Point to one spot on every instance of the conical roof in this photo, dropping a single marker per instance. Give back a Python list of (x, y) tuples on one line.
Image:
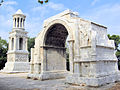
[(19, 12)]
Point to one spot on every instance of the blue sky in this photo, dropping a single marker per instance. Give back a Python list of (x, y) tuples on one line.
[(105, 12)]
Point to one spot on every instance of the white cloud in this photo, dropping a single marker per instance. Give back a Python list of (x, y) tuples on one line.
[(41, 12), (10, 3), (33, 26), (50, 5), (108, 15), (4, 34), (56, 6), (94, 2), (6, 12)]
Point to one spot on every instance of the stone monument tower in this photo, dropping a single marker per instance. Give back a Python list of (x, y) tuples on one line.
[(17, 55)]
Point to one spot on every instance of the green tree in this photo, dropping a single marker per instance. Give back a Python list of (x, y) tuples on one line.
[(116, 39), (31, 43), (3, 51), (39, 1), (43, 1), (1, 2)]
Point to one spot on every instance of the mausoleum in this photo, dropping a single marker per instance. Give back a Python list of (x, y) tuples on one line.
[(17, 55)]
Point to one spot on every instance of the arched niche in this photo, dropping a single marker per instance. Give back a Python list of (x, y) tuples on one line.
[(18, 22), (20, 43), (55, 39), (12, 43), (21, 22)]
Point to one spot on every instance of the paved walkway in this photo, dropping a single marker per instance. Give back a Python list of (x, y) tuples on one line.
[(19, 82)]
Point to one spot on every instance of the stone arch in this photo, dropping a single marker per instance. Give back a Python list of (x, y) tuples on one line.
[(68, 30), (86, 59), (43, 52), (54, 42), (56, 35), (57, 21)]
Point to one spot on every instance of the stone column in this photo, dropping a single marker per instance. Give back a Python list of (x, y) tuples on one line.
[(20, 22), (71, 54), (13, 22), (15, 43), (44, 60), (93, 45), (23, 22), (9, 43), (26, 48), (23, 45), (77, 49), (32, 61), (17, 22), (77, 69), (77, 42), (18, 43)]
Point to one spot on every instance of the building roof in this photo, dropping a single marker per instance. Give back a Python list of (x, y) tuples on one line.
[(19, 12)]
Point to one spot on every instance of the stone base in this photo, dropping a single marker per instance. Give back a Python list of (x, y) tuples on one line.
[(16, 67), (93, 81), (49, 75)]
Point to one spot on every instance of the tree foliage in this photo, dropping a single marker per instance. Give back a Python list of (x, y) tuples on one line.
[(1, 2), (41, 1), (31, 43), (116, 39), (3, 51)]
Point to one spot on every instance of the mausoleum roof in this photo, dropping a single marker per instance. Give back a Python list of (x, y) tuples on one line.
[(19, 12)]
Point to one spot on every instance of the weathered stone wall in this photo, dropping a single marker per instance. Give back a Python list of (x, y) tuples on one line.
[(56, 59), (10, 57), (104, 53)]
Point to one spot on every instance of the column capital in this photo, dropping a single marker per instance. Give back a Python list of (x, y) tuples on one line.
[(71, 40)]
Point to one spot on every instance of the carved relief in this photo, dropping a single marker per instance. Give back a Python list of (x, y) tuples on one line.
[(21, 58), (10, 58), (85, 39)]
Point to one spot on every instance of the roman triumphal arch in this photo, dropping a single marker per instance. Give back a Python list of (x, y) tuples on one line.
[(91, 54)]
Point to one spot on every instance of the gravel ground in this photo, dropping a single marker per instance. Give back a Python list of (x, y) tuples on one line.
[(19, 82)]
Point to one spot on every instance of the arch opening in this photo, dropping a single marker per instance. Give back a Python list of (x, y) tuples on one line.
[(21, 23), (12, 43), (18, 23), (20, 43), (15, 22), (55, 44), (56, 36)]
